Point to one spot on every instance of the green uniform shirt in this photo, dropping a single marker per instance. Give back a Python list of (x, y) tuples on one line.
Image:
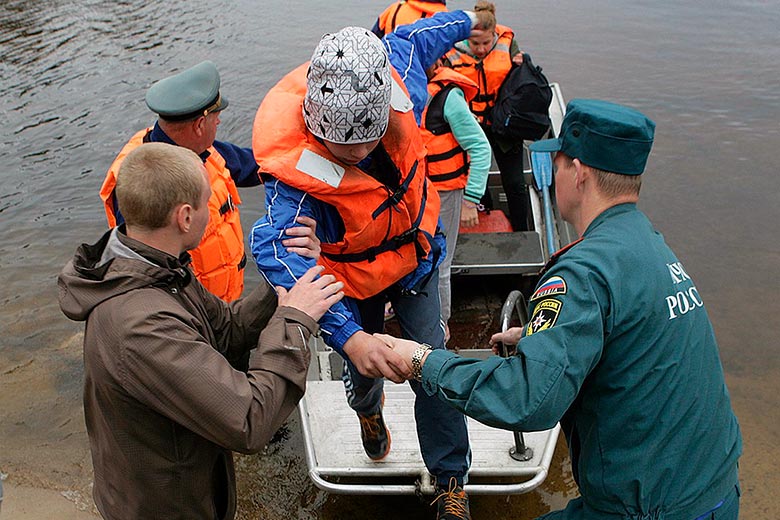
[(620, 349)]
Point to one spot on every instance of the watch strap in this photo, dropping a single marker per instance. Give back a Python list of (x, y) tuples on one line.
[(417, 358)]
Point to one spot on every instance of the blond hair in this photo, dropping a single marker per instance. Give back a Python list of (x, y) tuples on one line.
[(612, 184), (617, 184), (154, 179), (486, 15)]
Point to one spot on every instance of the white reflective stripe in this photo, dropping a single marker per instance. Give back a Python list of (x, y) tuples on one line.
[(438, 27), (320, 168), (399, 100)]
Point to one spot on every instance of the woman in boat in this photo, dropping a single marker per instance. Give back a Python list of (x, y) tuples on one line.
[(486, 58), (458, 162)]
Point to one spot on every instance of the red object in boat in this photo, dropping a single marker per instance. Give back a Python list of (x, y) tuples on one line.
[(493, 221)]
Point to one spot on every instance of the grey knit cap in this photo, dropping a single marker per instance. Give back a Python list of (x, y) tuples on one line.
[(348, 88)]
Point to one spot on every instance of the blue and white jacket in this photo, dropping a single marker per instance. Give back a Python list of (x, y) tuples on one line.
[(415, 47), (411, 49)]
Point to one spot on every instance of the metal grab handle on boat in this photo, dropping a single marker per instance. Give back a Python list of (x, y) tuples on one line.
[(515, 305)]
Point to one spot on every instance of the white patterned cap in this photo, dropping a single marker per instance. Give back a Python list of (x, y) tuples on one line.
[(348, 88)]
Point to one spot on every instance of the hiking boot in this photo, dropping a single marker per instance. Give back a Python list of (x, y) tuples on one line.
[(375, 435), (452, 503)]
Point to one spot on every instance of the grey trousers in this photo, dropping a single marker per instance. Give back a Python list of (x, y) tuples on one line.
[(450, 219)]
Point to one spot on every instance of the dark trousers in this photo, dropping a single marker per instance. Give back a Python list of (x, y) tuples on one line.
[(510, 164), (441, 429)]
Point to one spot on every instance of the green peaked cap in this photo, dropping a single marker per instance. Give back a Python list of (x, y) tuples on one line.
[(187, 94), (603, 135)]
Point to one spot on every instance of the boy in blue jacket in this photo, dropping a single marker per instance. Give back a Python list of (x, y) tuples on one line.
[(338, 141)]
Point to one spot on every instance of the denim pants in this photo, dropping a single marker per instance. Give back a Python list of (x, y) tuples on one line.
[(441, 429)]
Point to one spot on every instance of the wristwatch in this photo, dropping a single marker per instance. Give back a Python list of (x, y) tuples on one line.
[(417, 358)]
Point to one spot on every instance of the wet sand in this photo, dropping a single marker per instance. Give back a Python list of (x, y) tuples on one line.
[(45, 454), (30, 503)]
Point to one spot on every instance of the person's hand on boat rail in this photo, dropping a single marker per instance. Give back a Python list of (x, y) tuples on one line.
[(373, 358), (510, 338)]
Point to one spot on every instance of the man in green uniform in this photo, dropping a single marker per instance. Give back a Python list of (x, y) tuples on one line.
[(619, 347)]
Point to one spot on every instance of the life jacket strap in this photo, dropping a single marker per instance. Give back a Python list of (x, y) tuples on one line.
[(463, 170), (484, 98), (391, 244), (397, 194), (436, 157), (227, 206), (370, 254)]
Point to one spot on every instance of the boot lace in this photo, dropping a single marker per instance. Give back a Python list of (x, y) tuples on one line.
[(370, 425), (454, 500)]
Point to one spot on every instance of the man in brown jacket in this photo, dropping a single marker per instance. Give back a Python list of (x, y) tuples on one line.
[(163, 405)]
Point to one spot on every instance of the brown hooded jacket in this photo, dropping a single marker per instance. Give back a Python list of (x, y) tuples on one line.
[(163, 405)]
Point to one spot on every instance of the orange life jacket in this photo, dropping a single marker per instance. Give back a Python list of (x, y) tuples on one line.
[(488, 73), (448, 162), (387, 230), (219, 260), (406, 12)]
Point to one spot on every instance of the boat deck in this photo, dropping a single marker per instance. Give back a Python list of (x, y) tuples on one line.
[(507, 253), (493, 248), (338, 464)]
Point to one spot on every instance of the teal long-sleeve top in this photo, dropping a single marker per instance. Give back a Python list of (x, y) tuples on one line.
[(620, 350), (471, 138)]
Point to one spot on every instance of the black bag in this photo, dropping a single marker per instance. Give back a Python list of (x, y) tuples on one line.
[(521, 109)]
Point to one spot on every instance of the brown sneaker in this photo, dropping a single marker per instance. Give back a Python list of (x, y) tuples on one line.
[(452, 503), (375, 436)]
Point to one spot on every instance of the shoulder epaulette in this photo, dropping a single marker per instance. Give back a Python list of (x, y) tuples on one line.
[(559, 253)]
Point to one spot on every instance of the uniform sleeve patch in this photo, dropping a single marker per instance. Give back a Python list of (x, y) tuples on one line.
[(553, 286), (544, 317)]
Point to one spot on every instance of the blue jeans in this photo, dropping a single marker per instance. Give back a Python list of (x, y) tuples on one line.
[(441, 429)]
